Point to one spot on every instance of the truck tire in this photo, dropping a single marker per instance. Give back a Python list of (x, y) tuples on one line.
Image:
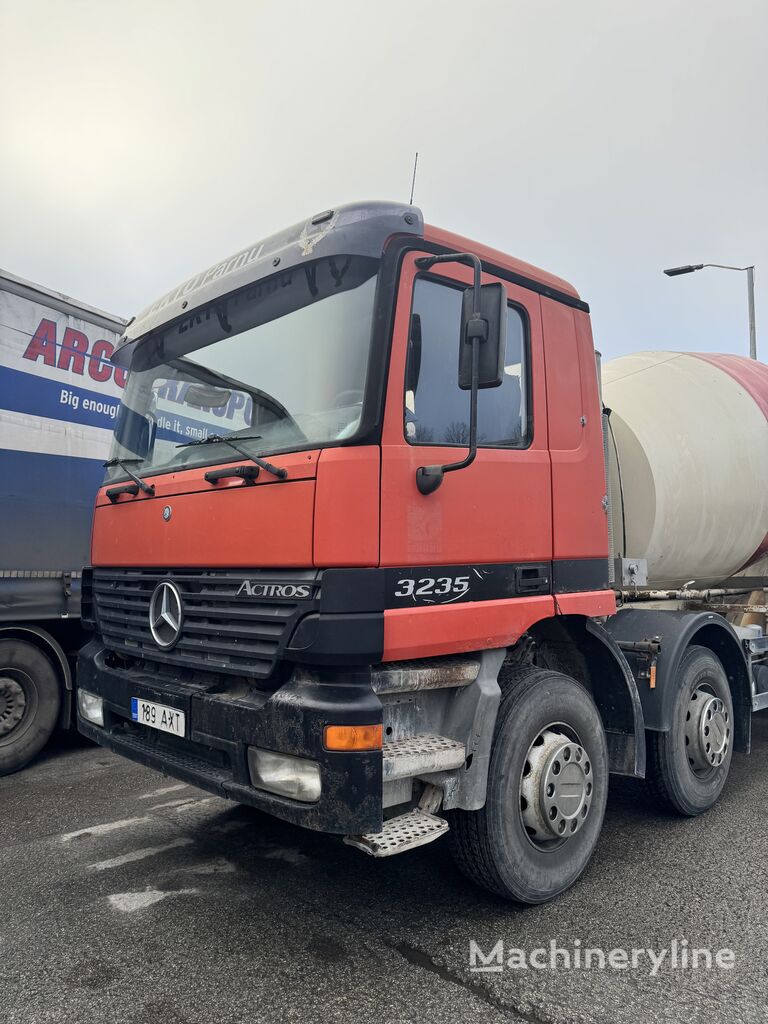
[(30, 701), (688, 766), (547, 789)]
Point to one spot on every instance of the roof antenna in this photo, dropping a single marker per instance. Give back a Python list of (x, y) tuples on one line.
[(413, 180)]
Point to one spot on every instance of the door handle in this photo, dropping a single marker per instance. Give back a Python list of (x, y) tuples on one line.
[(532, 579)]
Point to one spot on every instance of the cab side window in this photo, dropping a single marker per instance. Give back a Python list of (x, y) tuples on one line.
[(436, 409)]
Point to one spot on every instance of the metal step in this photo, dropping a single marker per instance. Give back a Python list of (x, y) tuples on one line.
[(424, 674), (421, 755), (405, 832)]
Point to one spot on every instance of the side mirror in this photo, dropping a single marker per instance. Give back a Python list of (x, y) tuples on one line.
[(413, 364), (491, 328), (482, 348)]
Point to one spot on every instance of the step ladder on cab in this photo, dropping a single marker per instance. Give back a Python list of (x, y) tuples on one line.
[(436, 745)]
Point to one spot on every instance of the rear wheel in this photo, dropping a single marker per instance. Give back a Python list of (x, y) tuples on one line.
[(30, 701), (547, 788), (688, 766)]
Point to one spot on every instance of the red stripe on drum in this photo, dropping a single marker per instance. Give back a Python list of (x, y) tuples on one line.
[(749, 373)]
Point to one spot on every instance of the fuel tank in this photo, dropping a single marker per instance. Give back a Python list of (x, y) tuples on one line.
[(688, 463)]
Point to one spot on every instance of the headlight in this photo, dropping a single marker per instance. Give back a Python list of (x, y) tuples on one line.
[(91, 707), (289, 776)]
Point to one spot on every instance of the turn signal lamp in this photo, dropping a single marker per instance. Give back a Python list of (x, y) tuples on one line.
[(353, 737)]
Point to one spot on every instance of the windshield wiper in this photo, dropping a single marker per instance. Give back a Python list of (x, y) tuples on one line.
[(141, 484), (281, 474)]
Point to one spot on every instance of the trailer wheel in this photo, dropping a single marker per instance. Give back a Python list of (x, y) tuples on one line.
[(688, 766), (547, 788), (30, 701)]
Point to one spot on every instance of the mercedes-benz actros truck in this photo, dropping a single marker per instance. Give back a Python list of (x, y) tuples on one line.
[(375, 555)]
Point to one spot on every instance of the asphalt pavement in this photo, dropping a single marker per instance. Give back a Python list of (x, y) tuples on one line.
[(128, 897)]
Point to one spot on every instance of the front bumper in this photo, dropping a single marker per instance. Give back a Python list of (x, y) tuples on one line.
[(223, 723)]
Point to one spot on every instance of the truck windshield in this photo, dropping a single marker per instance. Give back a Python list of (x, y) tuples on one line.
[(278, 365)]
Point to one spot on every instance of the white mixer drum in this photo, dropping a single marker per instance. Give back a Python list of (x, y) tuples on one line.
[(691, 442)]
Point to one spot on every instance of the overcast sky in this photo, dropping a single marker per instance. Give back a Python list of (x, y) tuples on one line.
[(602, 140)]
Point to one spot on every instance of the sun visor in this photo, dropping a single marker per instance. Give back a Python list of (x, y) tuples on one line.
[(357, 229)]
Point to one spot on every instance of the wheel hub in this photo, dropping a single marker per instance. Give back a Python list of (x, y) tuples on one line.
[(556, 788), (707, 731), (13, 701)]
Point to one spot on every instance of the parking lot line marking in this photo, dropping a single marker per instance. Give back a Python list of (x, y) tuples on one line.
[(130, 901), (174, 803), (163, 790), (218, 866), (99, 830), (148, 851), (197, 803)]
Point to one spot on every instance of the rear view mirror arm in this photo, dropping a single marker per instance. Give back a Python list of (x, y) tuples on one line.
[(429, 478)]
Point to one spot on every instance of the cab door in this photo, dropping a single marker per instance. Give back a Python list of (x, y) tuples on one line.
[(497, 511)]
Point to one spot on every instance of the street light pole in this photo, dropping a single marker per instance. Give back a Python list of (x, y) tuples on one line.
[(750, 272), (751, 301)]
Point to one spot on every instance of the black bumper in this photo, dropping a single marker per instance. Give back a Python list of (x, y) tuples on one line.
[(222, 725)]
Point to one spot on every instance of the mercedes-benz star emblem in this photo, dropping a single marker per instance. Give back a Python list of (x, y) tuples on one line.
[(165, 614), (167, 513)]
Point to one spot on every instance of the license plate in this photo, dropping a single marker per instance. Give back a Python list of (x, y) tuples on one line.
[(158, 716)]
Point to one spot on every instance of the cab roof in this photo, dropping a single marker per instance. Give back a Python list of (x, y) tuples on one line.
[(496, 258), (357, 229)]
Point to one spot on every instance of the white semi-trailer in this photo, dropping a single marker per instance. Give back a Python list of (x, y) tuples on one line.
[(59, 395)]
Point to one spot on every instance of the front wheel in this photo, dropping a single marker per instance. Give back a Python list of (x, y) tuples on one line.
[(547, 789), (688, 766)]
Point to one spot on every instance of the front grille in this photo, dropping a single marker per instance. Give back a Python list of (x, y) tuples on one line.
[(221, 632)]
